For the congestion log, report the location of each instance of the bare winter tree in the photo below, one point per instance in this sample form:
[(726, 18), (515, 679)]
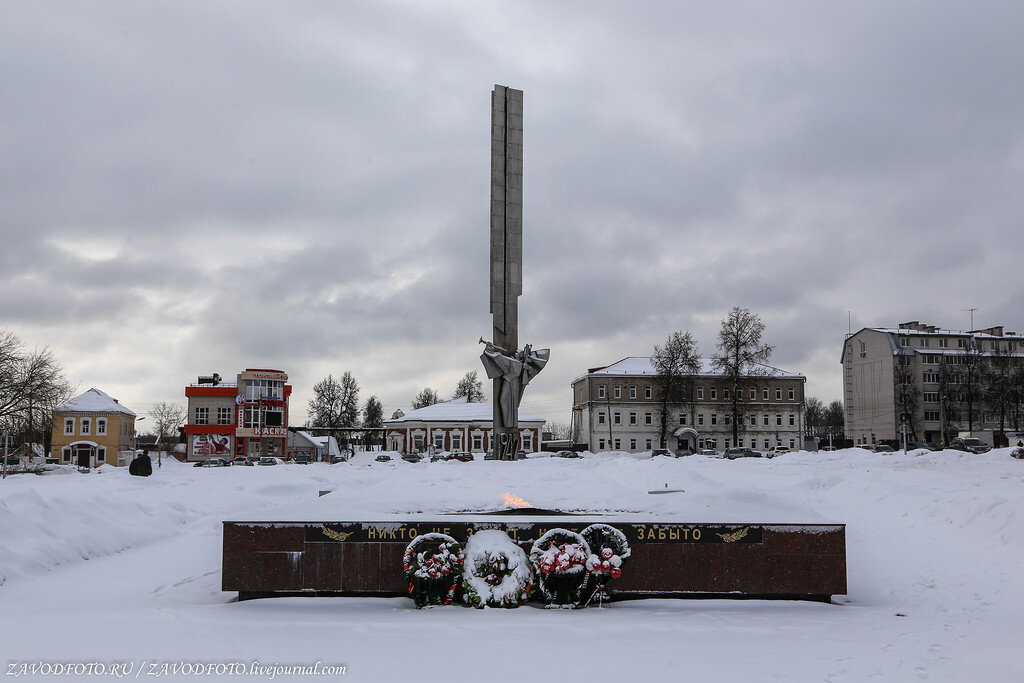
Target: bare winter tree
[(907, 396), (834, 420), (814, 416), (674, 362), (998, 386), (167, 420), (560, 431), (949, 399), (470, 387), (971, 371), (32, 384), (427, 397), (335, 405), (740, 356)]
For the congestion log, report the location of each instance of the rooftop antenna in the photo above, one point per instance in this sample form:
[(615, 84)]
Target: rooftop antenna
[(972, 310)]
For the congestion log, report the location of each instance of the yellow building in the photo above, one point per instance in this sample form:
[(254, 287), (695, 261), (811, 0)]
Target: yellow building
[(91, 429)]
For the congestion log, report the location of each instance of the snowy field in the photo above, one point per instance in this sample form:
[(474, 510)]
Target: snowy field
[(105, 567)]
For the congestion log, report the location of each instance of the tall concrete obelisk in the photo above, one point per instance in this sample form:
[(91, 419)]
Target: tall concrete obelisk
[(506, 244)]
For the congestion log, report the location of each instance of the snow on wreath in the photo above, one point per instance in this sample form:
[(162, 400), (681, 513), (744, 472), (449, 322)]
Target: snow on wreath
[(497, 572), (433, 566)]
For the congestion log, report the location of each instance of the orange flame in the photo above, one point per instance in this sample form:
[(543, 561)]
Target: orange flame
[(514, 501)]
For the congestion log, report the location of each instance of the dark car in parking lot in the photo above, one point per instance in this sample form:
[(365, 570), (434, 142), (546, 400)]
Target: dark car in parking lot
[(969, 445), (566, 454), (734, 453), (918, 445)]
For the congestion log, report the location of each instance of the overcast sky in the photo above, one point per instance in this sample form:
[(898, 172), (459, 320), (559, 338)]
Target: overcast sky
[(196, 187)]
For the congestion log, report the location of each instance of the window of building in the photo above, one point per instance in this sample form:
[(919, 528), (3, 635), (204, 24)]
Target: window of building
[(682, 418), (904, 341), (600, 391), (792, 394), (632, 418), (728, 419), (65, 453), (224, 416), (86, 426), (931, 416), (739, 442), (700, 419), (753, 420), (101, 455), (714, 392), (101, 426), (930, 377), (753, 393), (632, 444), (648, 418), (764, 394), (766, 446), (618, 445), (457, 442), (617, 392), (478, 442), (632, 391), (69, 426), (778, 420), (727, 444), (925, 342), (943, 343), (600, 417), (647, 392), (600, 444), (961, 343), (714, 418), (202, 416), (439, 441), (792, 420), (700, 393), (648, 445), (726, 394), (617, 418), (930, 397), (527, 442), (778, 393), (995, 346), (792, 443), (766, 419)]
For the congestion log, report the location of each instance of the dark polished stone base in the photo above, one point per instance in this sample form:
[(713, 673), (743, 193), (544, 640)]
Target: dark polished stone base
[(772, 561)]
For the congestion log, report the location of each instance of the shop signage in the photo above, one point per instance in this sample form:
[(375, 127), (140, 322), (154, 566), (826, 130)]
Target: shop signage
[(206, 445)]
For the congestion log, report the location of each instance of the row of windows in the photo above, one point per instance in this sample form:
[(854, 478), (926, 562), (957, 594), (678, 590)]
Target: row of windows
[(225, 416), (85, 426), (477, 439), (649, 419), (712, 392), (703, 443), (961, 343)]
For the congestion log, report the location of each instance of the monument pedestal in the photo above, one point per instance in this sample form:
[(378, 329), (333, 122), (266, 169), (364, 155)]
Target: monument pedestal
[(668, 559)]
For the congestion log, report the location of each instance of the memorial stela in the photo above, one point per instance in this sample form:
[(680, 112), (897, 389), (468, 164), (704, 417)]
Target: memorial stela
[(510, 368)]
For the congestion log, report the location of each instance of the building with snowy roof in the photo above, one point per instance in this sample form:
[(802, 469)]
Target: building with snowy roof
[(455, 425), (318, 448), (925, 382), (618, 407), (92, 429)]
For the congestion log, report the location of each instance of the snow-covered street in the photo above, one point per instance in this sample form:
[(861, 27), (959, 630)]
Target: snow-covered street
[(104, 567)]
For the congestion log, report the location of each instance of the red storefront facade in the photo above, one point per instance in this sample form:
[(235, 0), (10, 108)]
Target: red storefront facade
[(244, 418)]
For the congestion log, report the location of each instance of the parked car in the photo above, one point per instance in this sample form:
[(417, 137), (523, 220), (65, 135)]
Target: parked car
[(740, 452), (461, 457), (520, 454), (661, 451), (566, 454), (710, 452), (827, 448), (884, 448), (865, 446), (683, 452), (918, 445), (969, 445), (383, 457), (412, 457), (241, 460), (270, 461), (776, 450), (216, 462), (335, 459), (303, 459)]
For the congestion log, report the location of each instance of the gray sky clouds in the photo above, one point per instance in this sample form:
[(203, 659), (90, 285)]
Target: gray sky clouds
[(191, 187)]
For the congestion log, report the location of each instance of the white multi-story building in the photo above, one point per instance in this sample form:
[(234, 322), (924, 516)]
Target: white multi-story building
[(617, 407), (935, 365)]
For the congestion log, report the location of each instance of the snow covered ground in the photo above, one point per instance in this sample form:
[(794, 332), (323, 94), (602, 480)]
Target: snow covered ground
[(105, 567)]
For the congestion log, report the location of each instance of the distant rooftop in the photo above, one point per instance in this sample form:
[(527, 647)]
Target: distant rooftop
[(93, 401), (641, 366), (457, 410)]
